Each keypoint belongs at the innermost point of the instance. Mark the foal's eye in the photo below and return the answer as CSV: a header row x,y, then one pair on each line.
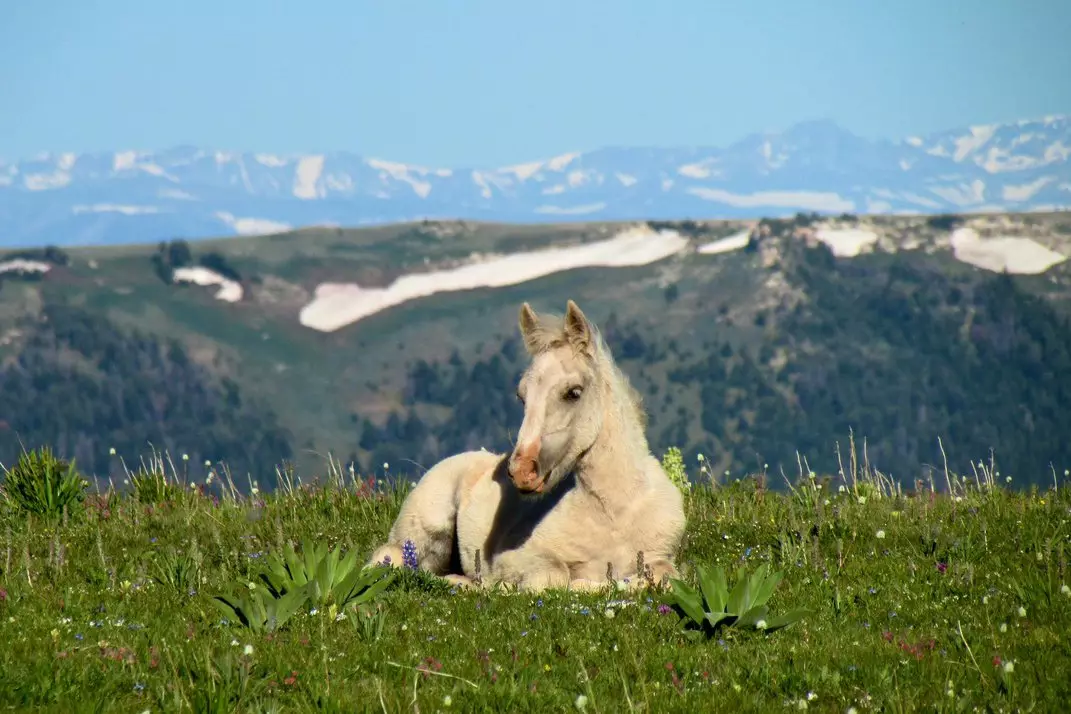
x,y
573,394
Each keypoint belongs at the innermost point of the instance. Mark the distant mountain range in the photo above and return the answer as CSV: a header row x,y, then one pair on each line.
x,y
817,166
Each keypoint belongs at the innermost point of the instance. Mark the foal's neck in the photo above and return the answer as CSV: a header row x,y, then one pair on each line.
x,y
613,469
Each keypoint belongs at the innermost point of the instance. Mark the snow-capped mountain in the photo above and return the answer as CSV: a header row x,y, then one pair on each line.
x,y
136,196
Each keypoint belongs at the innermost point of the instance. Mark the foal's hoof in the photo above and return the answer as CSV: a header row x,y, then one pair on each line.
x,y
459,580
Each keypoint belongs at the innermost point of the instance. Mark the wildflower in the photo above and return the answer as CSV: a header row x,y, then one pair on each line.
x,y
409,554
386,466
881,535
208,462
609,613
942,567
581,702
447,701
1003,627
247,650
862,500
1022,611
1009,667
1065,590
760,625
664,609
111,451
699,458
185,457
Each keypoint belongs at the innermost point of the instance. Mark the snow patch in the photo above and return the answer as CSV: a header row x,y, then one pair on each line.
x,y
124,160
176,193
967,145
558,163
846,242
807,200
44,182
336,305
963,194
18,265
571,210
401,173
307,177
270,160
524,172
1023,256
737,241
698,170
1026,191
252,226
126,210
229,291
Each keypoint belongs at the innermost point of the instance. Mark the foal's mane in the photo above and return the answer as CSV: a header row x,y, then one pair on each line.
x,y
549,333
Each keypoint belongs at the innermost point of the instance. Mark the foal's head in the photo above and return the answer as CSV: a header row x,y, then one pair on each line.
x,y
564,395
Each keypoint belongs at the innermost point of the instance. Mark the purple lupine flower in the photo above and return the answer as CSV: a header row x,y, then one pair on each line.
x,y
409,555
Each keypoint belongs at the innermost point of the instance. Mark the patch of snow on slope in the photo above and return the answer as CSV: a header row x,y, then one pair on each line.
x,y
401,173
558,163
307,177
737,241
18,265
964,194
114,208
124,160
1026,191
571,210
966,145
175,193
846,242
1023,256
807,200
698,170
270,160
524,171
252,226
336,305
229,291
44,182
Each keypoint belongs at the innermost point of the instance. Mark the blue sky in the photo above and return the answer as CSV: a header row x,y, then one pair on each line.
x,y
491,82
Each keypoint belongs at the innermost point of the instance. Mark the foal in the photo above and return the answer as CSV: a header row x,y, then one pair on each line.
x,y
580,489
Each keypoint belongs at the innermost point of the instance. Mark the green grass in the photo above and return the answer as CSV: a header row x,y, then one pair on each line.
x,y
919,602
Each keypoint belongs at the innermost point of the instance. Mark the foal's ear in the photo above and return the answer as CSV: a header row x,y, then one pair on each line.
x,y
578,329
531,332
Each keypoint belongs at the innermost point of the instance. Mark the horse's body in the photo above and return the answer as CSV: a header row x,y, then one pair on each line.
x,y
580,490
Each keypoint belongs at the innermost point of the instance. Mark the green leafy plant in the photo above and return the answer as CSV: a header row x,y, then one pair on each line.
x,y
177,571
703,612
673,465
289,581
43,484
367,621
324,575
256,608
151,486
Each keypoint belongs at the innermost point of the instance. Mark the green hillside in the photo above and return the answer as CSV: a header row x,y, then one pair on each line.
x,y
747,357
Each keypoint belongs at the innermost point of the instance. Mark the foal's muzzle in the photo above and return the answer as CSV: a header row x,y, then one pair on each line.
x,y
524,468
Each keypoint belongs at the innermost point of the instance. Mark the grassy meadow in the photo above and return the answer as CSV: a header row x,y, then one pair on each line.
x,y
953,597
